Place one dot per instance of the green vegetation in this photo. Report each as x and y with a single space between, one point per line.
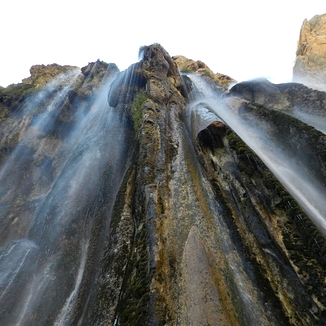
137 106
186 69
300 236
18 90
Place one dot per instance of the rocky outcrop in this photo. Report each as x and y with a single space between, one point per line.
37 91
310 64
285 97
187 65
14 95
42 74
124 204
268 230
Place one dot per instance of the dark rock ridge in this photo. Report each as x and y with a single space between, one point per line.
124 202
296 100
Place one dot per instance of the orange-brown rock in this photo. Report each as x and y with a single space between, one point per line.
41 74
188 65
310 65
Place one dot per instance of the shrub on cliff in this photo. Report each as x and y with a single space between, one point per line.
136 108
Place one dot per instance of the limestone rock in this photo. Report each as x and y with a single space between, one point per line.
160 222
95 73
99 68
310 65
188 65
15 94
42 74
261 91
288 97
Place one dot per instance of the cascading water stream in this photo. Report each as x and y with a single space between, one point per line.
315 121
295 177
198 117
121 203
45 242
65 313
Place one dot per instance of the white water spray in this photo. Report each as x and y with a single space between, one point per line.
304 188
66 310
52 181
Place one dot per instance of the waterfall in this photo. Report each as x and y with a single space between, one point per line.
293 174
154 197
53 182
318 122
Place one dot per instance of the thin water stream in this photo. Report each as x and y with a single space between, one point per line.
293 174
48 185
317 122
60 255
236 271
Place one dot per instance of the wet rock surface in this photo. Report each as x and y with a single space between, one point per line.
132 214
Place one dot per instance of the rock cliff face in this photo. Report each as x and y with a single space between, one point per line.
187 65
310 64
139 198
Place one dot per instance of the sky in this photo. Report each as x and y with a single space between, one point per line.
242 39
